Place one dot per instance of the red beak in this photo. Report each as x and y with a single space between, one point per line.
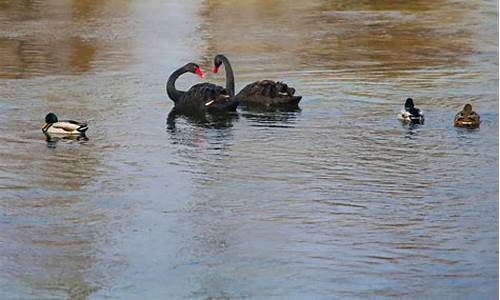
199 72
215 69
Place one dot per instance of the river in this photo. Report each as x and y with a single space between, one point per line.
335 201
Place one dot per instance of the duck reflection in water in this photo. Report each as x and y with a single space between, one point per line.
411 130
53 139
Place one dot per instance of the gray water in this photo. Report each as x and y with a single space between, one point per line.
336 201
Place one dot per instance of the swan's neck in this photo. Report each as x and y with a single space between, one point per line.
172 92
229 75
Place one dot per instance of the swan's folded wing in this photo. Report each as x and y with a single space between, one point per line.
261 88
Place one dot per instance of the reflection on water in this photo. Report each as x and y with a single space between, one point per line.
335 200
334 34
207 120
52 140
39 38
274 119
411 130
51 231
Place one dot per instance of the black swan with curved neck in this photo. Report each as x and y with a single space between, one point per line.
202 97
218 61
266 94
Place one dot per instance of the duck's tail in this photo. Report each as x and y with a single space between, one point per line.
82 128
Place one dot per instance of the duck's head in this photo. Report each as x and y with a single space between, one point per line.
409 103
467 109
51 118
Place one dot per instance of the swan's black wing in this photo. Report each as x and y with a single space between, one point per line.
200 94
203 92
205 97
265 88
268 93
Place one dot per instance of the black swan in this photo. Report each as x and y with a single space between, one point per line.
467 118
218 61
266 94
411 114
202 97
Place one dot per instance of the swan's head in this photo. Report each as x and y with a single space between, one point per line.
409 103
217 62
51 118
195 69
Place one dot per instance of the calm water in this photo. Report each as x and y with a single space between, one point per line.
337 201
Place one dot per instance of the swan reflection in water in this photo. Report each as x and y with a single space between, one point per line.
200 129
278 119
204 120
53 139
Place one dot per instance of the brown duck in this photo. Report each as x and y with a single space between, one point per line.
467 118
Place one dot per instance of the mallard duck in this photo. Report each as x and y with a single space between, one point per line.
411 114
54 126
467 118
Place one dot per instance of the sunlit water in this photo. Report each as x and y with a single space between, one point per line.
336 201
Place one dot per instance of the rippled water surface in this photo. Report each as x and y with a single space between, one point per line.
336 201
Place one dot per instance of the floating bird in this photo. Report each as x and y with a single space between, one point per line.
265 94
200 98
467 118
66 127
410 114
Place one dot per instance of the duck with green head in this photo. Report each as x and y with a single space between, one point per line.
411 114
65 127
